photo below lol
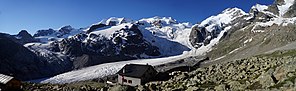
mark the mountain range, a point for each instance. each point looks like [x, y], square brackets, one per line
[232, 34]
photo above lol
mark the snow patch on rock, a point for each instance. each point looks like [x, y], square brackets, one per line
[285, 7]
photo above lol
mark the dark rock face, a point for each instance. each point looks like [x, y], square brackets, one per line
[200, 36]
[279, 2]
[71, 46]
[93, 27]
[44, 32]
[273, 9]
[260, 16]
[64, 30]
[157, 23]
[197, 36]
[18, 61]
[24, 37]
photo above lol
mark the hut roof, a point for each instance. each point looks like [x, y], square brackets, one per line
[5, 78]
[134, 70]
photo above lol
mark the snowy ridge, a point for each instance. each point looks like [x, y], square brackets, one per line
[170, 29]
[109, 31]
[260, 7]
[59, 34]
[285, 7]
[263, 9]
[116, 20]
[276, 19]
[222, 19]
[170, 39]
[166, 33]
[279, 21]
[164, 20]
[206, 48]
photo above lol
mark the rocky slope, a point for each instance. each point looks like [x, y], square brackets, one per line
[207, 30]
[274, 71]
[263, 28]
[18, 61]
[232, 64]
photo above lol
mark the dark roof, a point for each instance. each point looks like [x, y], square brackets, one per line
[134, 70]
[5, 78]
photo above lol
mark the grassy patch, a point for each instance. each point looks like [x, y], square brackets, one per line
[291, 53]
[242, 81]
[291, 79]
[209, 85]
[89, 83]
[77, 85]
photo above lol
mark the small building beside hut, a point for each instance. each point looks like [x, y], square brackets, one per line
[136, 74]
[9, 83]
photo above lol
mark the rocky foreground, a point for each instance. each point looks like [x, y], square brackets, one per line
[276, 71]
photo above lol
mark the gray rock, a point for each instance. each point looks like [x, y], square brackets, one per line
[192, 89]
[267, 79]
[221, 87]
[282, 72]
[235, 85]
[121, 88]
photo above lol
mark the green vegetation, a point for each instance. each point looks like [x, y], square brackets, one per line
[255, 86]
[84, 85]
[288, 53]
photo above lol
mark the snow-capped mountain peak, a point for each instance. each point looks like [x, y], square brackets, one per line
[50, 34]
[224, 18]
[159, 21]
[156, 30]
[112, 21]
[67, 27]
[259, 7]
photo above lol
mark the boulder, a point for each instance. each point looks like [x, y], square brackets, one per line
[267, 79]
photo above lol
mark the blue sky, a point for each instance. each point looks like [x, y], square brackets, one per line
[33, 15]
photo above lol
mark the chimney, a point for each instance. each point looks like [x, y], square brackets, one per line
[123, 70]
